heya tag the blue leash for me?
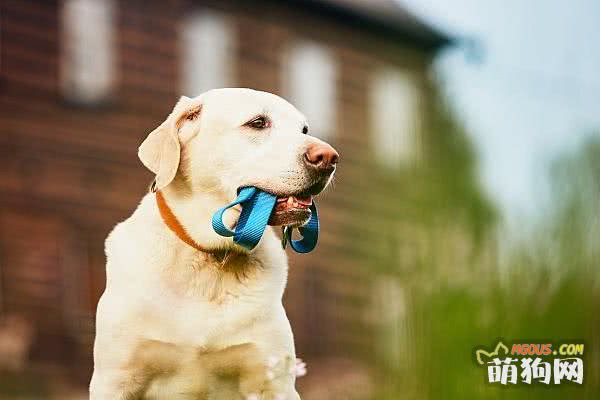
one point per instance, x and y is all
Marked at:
(256, 210)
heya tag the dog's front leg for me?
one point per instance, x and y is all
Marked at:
(112, 386)
(275, 365)
(258, 376)
(271, 378)
(277, 379)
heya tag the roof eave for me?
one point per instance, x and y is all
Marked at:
(425, 36)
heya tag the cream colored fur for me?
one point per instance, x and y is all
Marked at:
(176, 323)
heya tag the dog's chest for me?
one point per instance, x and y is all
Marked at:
(193, 303)
(195, 322)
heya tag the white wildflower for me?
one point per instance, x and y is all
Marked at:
(272, 361)
(299, 369)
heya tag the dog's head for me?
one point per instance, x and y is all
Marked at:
(226, 139)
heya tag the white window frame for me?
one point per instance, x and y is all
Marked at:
(88, 59)
(310, 83)
(207, 48)
(395, 117)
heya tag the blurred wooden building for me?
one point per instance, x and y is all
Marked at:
(83, 81)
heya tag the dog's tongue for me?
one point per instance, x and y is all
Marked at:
(287, 203)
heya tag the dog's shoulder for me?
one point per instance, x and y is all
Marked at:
(137, 241)
(121, 231)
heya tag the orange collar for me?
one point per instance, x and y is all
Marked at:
(173, 223)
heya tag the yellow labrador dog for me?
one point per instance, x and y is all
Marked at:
(186, 313)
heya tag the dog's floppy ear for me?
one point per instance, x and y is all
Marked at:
(160, 151)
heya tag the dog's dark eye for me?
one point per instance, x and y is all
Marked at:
(259, 123)
(305, 130)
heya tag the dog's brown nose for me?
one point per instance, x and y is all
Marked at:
(321, 155)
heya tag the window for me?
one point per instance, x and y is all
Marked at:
(88, 57)
(207, 53)
(394, 117)
(310, 84)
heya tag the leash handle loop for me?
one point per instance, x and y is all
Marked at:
(257, 207)
(256, 210)
(217, 219)
(309, 232)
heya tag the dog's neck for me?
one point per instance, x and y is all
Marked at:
(222, 269)
(193, 211)
(224, 261)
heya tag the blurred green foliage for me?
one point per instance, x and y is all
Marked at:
(545, 288)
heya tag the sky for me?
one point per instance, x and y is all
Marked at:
(532, 94)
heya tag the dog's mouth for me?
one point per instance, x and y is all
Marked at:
(291, 210)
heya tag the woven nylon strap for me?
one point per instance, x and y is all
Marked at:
(256, 210)
(309, 233)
